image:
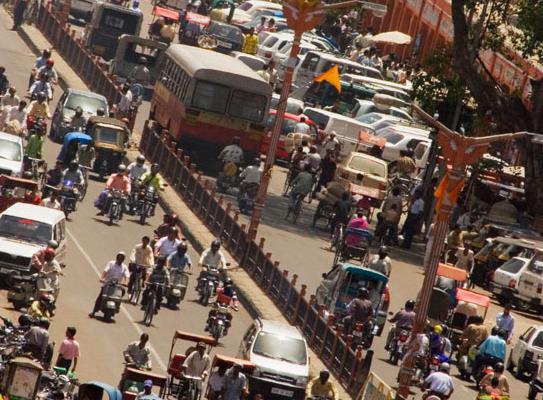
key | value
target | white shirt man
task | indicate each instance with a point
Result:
(125, 102)
(251, 174)
(464, 260)
(213, 259)
(50, 203)
(135, 170)
(197, 363)
(116, 272)
(166, 246)
(440, 382)
(382, 265)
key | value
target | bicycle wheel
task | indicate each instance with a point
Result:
(149, 310)
(297, 208)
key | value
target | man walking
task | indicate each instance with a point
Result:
(69, 351)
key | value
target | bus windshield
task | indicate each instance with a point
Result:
(247, 105)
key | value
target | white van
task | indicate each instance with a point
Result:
(273, 43)
(506, 278)
(24, 230)
(530, 287)
(315, 63)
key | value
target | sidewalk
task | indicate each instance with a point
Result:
(255, 301)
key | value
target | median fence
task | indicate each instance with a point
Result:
(350, 367)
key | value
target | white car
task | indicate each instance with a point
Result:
(375, 120)
(526, 352)
(24, 230)
(506, 278)
(246, 11)
(273, 43)
(11, 154)
(279, 352)
(364, 107)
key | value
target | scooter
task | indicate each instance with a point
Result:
(175, 293)
(24, 290)
(110, 301)
(465, 363)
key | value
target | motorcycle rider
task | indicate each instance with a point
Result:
(41, 85)
(167, 244)
(180, 260)
(159, 276)
(115, 270)
(78, 122)
(213, 256)
(73, 174)
(321, 387)
(38, 258)
(360, 310)
(138, 353)
(140, 73)
(216, 311)
(43, 307)
(151, 178)
(497, 373)
(404, 320)
(439, 383)
(169, 221)
(49, 71)
(492, 350)
(474, 334)
(86, 154)
(120, 182)
(39, 108)
(51, 201)
(232, 153)
(250, 176)
(381, 262)
(137, 168)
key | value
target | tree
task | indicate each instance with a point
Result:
(487, 24)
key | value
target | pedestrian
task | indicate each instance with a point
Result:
(147, 393)
(250, 42)
(506, 321)
(18, 13)
(68, 352)
(465, 260)
(4, 82)
(416, 212)
(235, 384)
(381, 262)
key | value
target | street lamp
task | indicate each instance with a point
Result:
(458, 151)
(302, 15)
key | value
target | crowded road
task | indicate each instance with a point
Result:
(92, 243)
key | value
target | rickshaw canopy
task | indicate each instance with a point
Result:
(451, 272)
(10, 182)
(138, 375)
(79, 136)
(166, 13)
(191, 337)
(471, 297)
(227, 361)
(360, 271)
(112, 392)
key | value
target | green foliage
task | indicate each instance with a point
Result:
(530, 39)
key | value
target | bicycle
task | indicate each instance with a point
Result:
(191, 390)
(337, 235)
(296, 208)
(135, 288)
(38, 168)
(151, 305)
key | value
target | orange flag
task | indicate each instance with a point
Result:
(332, 77)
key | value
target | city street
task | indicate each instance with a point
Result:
(91, 244)
(299, 248)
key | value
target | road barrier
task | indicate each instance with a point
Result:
(349, 366)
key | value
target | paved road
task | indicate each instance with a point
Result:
(91, 244)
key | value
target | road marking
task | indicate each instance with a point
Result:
(123, 308)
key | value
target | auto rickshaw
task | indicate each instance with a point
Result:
(459, 321)
(341, 284)
(132, 381)
(176, 380)
(129, 51)
(15, 190)
(443, 300)
(70, 146)
(224, 361)
(96, 391)
(110, 141)
(110, 21)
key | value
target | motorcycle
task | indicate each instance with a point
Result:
(115, 206)
(363, 334)
(246, 197)
(147, 203)
(24, 290)
(208, 283)
(398, 346)
(175, 293)
(219, 321)
(68, 196)
(110, 301)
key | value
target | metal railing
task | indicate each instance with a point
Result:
(349, 365)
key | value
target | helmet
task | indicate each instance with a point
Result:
(410, 304)
(182, 246)
(256, 162)
(155, 168)
(28, 175)
(174, 230)
(50, 62)
(142, 60)
(499, 367)
(228, 281)
(140, 159)
(383, 250)
(121, 168)
(73, 164)
(25, 320)
(52, 243)
(438, 329)
(216, 243)
(44, 323)
(41, 96)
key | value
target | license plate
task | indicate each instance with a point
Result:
(282, 392)
(224, 44)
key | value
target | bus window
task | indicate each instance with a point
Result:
(247, 106)
(210, 97)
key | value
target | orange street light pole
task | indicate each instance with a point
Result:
(459, 151)
(302, 15)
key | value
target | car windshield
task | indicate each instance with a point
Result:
(370, 118)
(10, 150)
(87, 103)
(512, 266)
(367, 166)
(280, 348)
(25, 229)
(225, 31)
(391, 137)
(107, 135)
